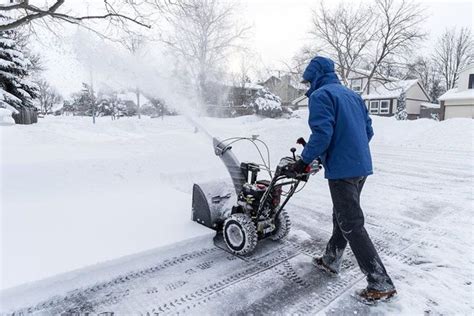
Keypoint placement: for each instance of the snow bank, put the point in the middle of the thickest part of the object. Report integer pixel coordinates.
(6, 117)
(76, 194)
(452, 134)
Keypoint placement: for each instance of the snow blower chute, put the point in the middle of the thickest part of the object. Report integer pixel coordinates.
(249, 209)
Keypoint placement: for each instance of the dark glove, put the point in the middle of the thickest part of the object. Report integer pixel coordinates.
(300, 167)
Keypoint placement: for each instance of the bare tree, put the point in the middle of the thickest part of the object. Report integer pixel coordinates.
(425, 70)
(345, 34)
(300, 60)
(453, 52)
(23, 12)
(134, 43)
(397, 31)
(368, 35)
(203, 33)
(47, 96)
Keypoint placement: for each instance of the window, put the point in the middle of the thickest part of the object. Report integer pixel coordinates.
(471, 81)
(356, 85)
(384, 107)
(374, 107)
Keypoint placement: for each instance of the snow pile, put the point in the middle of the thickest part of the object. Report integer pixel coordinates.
(75, 194)
(452, 134)
(6, 117)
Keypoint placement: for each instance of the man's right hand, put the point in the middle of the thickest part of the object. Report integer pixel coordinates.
(300, 167)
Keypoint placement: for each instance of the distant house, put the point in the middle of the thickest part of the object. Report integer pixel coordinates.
(130, 98)
(242, 93)
(383, 99)
(459, 102)
(381, 94)
(230, 99)
(285, 88)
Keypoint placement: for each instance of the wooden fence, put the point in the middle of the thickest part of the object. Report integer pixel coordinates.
(25, 116)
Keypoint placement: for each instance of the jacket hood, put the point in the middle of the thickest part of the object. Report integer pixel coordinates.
(320, 72)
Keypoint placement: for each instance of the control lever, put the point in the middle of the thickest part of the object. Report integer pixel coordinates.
(293, 150)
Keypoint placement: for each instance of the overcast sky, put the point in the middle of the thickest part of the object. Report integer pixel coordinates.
(280, 28)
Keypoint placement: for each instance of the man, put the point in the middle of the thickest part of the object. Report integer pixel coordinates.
(341, 130)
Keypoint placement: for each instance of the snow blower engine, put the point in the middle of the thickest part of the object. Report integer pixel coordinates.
(251, 209)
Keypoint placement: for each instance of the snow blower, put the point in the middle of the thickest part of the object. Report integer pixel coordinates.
(250, 209)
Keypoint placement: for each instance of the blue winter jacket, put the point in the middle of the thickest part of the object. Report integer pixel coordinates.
(340, 124)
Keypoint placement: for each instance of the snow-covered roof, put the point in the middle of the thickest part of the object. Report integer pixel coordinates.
(467, 68)
(454, 94)
(298, 100)
(252, 86)
(390, 90)
(430, 105)
(291, 81)
(57, 107)
(247, 85)
(132, 96)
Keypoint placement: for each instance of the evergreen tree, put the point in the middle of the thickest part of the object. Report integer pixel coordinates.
(402, 107)
(15, 89)
(84, 102)
(267, 104)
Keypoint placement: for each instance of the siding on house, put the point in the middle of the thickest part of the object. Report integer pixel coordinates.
(454, 111)
(459, 102)
(414, 97)
(284, 88)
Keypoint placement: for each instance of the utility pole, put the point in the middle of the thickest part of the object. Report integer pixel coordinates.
(137, 91)
(92, 84)
(92, 98)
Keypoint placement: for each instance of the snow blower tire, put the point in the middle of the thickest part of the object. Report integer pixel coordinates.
(240, 234)
(282, 226)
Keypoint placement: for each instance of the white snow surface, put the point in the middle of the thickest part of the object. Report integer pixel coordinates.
(6, 117)
(75, 194)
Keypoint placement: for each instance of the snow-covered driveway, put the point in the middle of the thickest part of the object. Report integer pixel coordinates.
(418, 207)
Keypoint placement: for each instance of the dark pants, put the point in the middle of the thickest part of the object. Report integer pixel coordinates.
(348, 226)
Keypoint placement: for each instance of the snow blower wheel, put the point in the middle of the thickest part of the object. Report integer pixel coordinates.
(282, 226)
(240, 234)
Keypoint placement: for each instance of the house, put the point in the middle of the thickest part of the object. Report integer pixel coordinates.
(383, 98)
(284, 87)
(459, 102)
(381, 94)
(242, 94)
(230, 99)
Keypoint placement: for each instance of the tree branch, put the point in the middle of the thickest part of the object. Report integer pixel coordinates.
(33, 13)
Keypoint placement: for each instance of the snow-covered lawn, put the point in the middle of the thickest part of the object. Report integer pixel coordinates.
(75, 194)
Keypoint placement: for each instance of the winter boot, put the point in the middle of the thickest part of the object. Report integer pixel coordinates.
(370, 297)
(319, 263)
